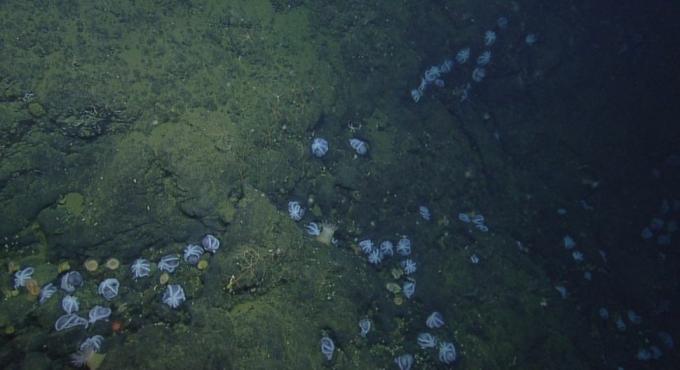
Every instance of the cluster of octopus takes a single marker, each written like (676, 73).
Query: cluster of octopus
(377, 255)
(435, 74)
(69, 282)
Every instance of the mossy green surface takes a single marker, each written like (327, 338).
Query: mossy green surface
(131, 129)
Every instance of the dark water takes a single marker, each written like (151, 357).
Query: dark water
(537, 184)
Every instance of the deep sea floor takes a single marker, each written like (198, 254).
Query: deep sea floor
(386, 185)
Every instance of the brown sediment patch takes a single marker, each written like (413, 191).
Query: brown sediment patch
(326, 235)
(112, 263)
(63, 266)
(33, 287)
(91, 265)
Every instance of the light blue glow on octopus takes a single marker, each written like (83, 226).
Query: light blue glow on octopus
(484, 58)
(174, 295)
(359, 146)
(22, 276)
(478, 221)
(109, 288)
(409, 289)
(435, 320)
(604, 313)
(478, 74)
(295, 210)
(502, 22)
(562, 290)
(432, 74)
(140, 268)
(98, 313)
(387, 248)
(47, 292)
(481, 227)
(93, 343)
(374, 258)
(313, 229)
(68, 321)
(620, 325)
(426, 340)
(666, 339)
(80, 358)
(365, 326)
(404, 362)
(577, 255)
(168, 263)
(327, 347)
(319, 147)
(489, 38)
(634, 317)
(416, 94)
(210, 243)
(409, 266)
(463, 55)
(446, 66)
(425, 213)
(447, 353)
(530, 39)
(192, 253)
(87, 347)
(366, 246)
(404, 246)
(69, 304)
(71, 280)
